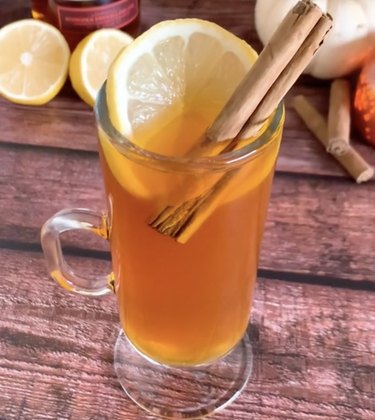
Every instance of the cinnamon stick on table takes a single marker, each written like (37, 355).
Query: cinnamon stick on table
(351, 160)
(339, 118)
(280, 63)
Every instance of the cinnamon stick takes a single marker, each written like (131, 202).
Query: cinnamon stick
(287, 54)
(191, 214)
(287, 78)
(351, 160)
(282, 47)
(339, 118)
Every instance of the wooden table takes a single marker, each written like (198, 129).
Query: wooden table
(313, 321)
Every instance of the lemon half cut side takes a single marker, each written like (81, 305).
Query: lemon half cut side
(91, 60)
(34, 62)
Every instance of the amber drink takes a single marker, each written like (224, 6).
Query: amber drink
(185, 303)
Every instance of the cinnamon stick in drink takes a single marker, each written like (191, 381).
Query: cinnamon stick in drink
(351, 160)
(275, 57)
(339, 118)
(287, 78)
(287, 54)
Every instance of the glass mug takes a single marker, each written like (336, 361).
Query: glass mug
(184, 308)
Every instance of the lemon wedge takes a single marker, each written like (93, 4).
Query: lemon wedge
(91, 60)
(34, 62)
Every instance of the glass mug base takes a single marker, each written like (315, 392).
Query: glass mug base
(182, 392)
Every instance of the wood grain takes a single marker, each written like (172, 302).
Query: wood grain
(66, 123)
(315, 224)
(56, 351)
(69, 123)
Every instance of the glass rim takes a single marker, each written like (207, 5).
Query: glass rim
(222, 161)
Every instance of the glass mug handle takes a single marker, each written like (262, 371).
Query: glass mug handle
(59, 269)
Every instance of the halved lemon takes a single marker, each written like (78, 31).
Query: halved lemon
(91, 60)
(164, 90)
(34, 62)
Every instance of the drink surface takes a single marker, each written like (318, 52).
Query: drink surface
(184, 304)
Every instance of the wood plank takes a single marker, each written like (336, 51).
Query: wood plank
(314, 360)
(316, 225)
(321, 227)
(68, 123)
(65, 122)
